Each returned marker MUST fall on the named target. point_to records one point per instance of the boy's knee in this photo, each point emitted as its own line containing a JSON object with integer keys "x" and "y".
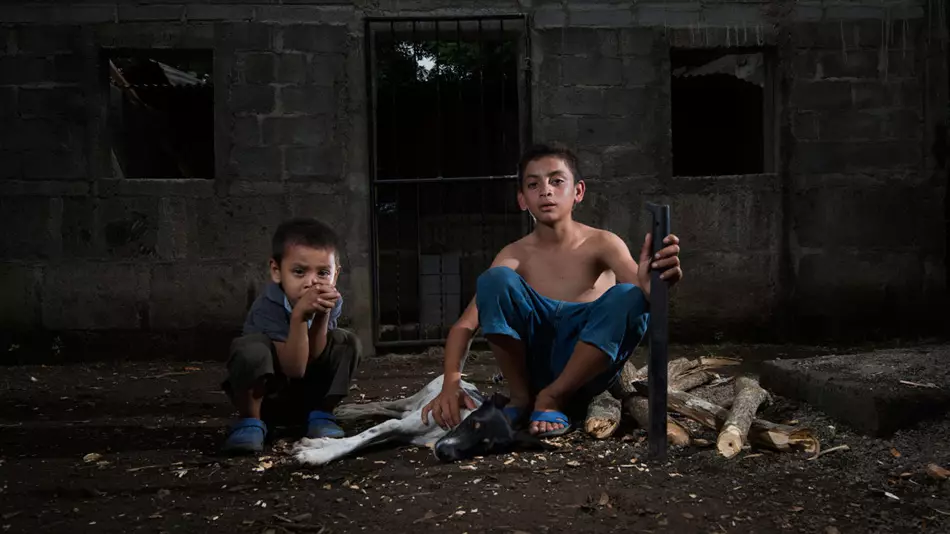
{"x": 496, "y": 280}
{"x": 626, "y": 298}
{"x": 251, "y": 358}
{"x": 346, "y": 346}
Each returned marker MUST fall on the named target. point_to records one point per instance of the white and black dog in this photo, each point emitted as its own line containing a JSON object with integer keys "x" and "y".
{"x": 485, "y": 430}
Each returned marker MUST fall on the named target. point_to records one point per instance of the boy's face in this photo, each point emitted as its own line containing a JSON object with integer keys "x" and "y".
{"x": 302, "y": 267}
{"x": 549, "y": 190}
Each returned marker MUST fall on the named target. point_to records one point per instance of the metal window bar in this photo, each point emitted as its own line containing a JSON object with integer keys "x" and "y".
{"x": 456, "y": 189}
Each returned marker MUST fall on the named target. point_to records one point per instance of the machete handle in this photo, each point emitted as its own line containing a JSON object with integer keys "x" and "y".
{"x": 660, "y": 225}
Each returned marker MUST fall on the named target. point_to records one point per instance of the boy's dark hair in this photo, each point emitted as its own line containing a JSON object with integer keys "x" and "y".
{"x": 303, "y": 231}
{"x": 549, "y": 149}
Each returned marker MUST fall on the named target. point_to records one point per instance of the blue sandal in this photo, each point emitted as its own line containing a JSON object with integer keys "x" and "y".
{"x": 246, "y": 437}
{"x": 323, "y": 425}
{"x": 555, "y": 417}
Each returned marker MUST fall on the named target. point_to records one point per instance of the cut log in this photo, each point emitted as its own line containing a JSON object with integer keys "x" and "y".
{"x": 603, "y": 416}
{"x": 675, "y": 369}
{"x": 735, "y": 429}
{"x": 639, "y": 409}
{"x": 761, "y": 433}
{"x": 691, "y": 380}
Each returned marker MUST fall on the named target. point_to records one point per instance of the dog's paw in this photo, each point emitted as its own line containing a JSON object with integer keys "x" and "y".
{"x": 312, "y": 443}
{"x": 315, "y": 456}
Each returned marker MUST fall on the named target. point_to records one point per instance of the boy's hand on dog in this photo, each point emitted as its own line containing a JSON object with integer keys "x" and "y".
{"x": 318, "y": 299}
{"x": 446, "y": 408}
{"x": 666, "y": 261}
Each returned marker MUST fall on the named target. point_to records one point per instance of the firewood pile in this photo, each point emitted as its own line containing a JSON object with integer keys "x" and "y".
{"x": 728, "y": 406}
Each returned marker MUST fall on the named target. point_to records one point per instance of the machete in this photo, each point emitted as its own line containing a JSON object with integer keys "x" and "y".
{"x": 659, "y": 336}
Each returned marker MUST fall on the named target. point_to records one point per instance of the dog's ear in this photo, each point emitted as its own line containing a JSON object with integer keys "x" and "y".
{"x": 499, "y": 400}
{"x": 526, "y": 440}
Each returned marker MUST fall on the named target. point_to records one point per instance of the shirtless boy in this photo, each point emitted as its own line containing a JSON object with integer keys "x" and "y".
{"x": 562, "y": 308}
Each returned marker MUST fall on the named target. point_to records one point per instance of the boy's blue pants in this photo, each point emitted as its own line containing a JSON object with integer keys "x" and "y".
{"x": 550, "y": 329}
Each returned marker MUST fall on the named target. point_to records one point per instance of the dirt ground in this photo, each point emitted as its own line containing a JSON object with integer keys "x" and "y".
{"x": 129, "y": 447}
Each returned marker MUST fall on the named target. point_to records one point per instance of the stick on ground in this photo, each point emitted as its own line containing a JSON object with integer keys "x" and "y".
{"x": 735, "y": 430}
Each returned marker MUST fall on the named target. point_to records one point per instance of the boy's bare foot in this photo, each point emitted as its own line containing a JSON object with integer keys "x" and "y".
{"x": 545, "y": 402}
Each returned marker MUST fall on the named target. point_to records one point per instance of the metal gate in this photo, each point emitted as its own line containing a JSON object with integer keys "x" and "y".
{"x": 449, "y": 116}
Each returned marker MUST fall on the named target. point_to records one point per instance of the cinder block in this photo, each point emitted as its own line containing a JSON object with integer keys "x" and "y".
{"x": 549, "y": 17}
{"x": 54, "y": 164}
{"x": 857, "y": 64}
{"x": 249, "y": 35}
{"x": 873, "y": 95}
{"x": 843, "y": 157}
{"x": 327, "y": 15}
{"x": 154, "y": 12}
{"x": 258, "y": 163}
{"x": 745, "y": 288}
{"x": 314, "y": 38}
{"x": 323, "y": 161}
{"x": 621, "y": 162}
{"x": 600, "y": 17}
{"x": 740, "y": 217}
{"x": 247, "y": 131}
{"x": 253, "y": 98}
{"x": 627, "y": 102}
{"x": 95, "y": 296}
{"x": 81, "y": 237}
{"x": 851, "y": 125}
{"x": 326, "y": 69}
{"x": 329, "y": 208}
{"x": 10, "y": 164}
{"x": 638, "y": 72}
{"x": 8, "y": 102}
{"x": 805, "y": 125}
{"x": 219, "y": 12}
{"x": 175, "y": 227}
{"x": 292, "y": 67}
{"x": 20, "y": 305}
{"x": 636, "y": 41}
{"x": 308, "y": 99}
{"x": 129, "y": 226}
{"x": 237, "y": 227}
{"x": 868, "y": 217}
{"x": 601, "y": 131}
{"x": 669, "y": 15}
{"x": 49, "y": 101}
{"x": 42, "y": 40}
{"x": 578, "y": 100}
{"x": 31, "y": 230}
{"x": 256, "y": 68}
{"x": 189, "y": 295}
{"x": 309, "y": 131}
{"x": 21, "y": 70}
{"x": 904, "y": 124}
{"x": 734, "y": 14}
{"x": 558, "y": 128}
{"x": 592, "y": 71}
{"x": 820, "y": 95}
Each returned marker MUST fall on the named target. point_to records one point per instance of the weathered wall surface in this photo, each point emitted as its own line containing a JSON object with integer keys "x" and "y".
{"x": 849, "y": 232}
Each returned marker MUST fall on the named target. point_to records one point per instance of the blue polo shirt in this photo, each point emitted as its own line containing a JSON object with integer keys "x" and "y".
{"x": 270, "y": 314}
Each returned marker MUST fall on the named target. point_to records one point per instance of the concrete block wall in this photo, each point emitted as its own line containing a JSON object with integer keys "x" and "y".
{"x": 817, "y": 247}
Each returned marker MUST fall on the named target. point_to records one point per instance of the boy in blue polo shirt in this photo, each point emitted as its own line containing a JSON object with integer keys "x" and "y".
{"x": 291, "y": 363}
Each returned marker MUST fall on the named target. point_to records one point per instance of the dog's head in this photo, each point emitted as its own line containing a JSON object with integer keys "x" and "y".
{"x": 485, "y": 431}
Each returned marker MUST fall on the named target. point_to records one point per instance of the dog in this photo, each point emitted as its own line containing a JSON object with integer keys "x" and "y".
{"x": 483, "y": 431}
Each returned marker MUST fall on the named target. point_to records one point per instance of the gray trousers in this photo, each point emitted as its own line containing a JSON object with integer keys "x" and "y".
{"x": 289, "y": 400}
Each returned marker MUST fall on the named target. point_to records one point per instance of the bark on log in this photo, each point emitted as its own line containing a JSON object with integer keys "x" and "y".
{"x": 761, "y": 433}
{"x": 734, "y": 433}
{"x": 639, "y": 409}
{"x": 603, "y": 416}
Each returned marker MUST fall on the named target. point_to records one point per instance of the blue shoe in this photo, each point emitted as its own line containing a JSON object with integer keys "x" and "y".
{"x": 246, "y": 437}
{"x": 323, "y": 425}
